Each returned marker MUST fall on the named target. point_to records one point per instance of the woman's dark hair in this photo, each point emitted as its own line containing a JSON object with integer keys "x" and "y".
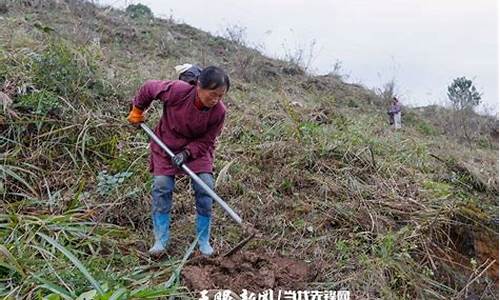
{"x": 212, "y": 78}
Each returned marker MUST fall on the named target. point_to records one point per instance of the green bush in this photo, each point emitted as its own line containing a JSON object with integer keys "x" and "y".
{"x": 139, "y": 11}
{"x": 484, "y": 142}
{"x": 40, "y": 102}
{"x": 64, "y": 70}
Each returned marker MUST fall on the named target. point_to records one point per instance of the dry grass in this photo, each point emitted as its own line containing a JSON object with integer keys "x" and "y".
{"x": 309, "y": 160}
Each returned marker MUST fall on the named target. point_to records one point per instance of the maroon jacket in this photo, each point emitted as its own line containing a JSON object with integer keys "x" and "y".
{"x": 182, "y": 126}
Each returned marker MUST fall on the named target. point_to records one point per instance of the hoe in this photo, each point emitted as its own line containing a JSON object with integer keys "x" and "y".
{"x": 246, "y": 227}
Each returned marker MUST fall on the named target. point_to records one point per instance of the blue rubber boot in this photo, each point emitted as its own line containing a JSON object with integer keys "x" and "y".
{"x": 203, "y": 233}
{"x": 161, "y": 229}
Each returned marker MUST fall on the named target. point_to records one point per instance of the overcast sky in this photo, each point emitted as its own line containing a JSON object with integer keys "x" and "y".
{"x": 421, "y": 44}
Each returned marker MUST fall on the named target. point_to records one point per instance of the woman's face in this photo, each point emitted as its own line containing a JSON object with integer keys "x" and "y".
{"x": 210, "y": 98}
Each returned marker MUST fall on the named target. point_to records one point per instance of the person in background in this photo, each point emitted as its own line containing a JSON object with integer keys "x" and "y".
{"x": 394, "y": 112}
{"x": 188, "y": 73}
{"x": 193, "y": 117}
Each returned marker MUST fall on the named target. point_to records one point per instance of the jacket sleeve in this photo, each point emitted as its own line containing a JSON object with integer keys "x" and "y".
{"x": 200, "y": 146}
{"x": 150, "y": 91}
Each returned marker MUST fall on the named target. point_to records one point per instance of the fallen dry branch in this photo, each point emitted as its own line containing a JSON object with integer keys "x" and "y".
{"x": 477, "y": 183}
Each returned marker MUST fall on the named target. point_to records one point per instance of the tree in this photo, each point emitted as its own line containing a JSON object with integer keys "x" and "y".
{"x": 463, "y": 94}
{"x": 388, "y": 91}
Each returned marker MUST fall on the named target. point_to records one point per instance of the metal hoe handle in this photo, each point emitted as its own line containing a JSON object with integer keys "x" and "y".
{"x": 195, "y": 177}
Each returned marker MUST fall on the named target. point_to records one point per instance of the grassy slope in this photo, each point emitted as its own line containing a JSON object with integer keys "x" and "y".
{"x": 325, "y": 180}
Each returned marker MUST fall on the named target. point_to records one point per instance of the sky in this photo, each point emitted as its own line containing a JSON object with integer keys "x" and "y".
{"x": 420, "y": 44}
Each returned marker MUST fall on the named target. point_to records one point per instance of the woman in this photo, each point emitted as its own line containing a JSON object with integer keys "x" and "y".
{"x": 193, "y": 117}
{"x": 394, "y": 112}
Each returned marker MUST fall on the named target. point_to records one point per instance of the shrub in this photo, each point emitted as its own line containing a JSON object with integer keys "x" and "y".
{"x": 65, "y": 71}
{"x": 40, "y": 102}
{"x": 139, "y": 11}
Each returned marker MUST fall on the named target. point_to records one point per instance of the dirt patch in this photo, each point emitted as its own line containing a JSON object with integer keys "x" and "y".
{"x": 480, "y": 244}
{"x": 246, "y": 270}
{"x": 486, "y": 248}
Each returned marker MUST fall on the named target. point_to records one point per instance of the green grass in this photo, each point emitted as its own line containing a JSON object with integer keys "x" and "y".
{"x": 326, "y": 181}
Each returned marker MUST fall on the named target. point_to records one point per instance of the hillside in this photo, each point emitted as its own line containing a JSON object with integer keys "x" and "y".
{"x": 310, "y": 160}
